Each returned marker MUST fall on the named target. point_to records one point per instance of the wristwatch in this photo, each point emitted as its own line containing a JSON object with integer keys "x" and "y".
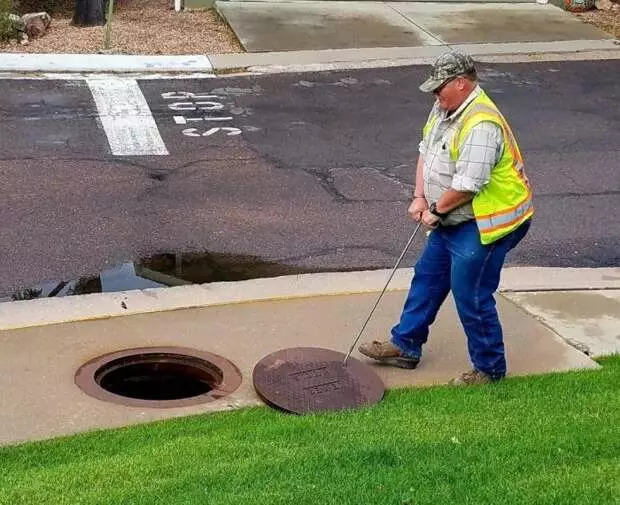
{"x": 433, "y": 210}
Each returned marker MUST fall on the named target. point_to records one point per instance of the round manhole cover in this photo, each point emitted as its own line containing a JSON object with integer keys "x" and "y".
{"x": 309, "y": 379}
{"x": 158, "y": 377}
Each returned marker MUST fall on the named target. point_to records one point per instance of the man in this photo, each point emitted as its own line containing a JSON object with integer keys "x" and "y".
{"x": 472, "y": 192}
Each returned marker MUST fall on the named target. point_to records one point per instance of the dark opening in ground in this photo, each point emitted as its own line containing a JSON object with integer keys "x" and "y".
{"x": 159, "y": 376}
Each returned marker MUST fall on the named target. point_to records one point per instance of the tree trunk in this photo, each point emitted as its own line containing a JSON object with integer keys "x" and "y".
{"x": 89, "y": 13}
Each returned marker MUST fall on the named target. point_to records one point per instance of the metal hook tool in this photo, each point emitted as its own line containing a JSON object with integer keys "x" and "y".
{"x": 359, "y": 335}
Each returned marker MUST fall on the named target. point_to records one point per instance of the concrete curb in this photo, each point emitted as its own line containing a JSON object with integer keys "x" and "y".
{"x": 41, "y": 312}
{"x": 341, "y": 59}
{"x": 297, "y": 61}
{"x": 18, "y": 62}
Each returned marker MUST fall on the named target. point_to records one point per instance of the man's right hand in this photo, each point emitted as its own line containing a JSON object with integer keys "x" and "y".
{"x": 417, "y": 208}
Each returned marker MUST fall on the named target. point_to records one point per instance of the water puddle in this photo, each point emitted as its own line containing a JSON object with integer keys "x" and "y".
{"x": 162, "y": 270}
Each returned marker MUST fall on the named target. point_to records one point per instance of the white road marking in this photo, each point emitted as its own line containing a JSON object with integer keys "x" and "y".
{"x": 231, "y": 131}
{"x": 196, "y": 106}
{"x": 126, "y": 117}
{"x": 184, "y": 120}
{"x": 193, "y": 132}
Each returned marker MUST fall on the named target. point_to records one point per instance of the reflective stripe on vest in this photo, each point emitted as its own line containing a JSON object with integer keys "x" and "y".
{"x": 508, "y": 216}
{"x": 505, "y": 218}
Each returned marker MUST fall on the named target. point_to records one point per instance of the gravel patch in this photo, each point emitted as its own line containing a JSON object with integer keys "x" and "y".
{"x": 608, "y": 21}
{"x": 140, "y": 27}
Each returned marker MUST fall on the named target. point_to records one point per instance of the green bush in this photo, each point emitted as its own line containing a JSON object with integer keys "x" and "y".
{"x": 7, "y": 27}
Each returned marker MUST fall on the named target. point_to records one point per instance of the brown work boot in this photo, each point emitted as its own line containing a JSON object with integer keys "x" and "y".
{"x": 472, "y": 378}
{"x": 388, "y": 354}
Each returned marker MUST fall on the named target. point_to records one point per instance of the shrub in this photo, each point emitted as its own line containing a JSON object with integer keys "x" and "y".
{"x": 8, "y": 29}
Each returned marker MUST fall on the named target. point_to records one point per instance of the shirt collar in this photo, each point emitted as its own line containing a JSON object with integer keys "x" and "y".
{"x": 472, "y": 96}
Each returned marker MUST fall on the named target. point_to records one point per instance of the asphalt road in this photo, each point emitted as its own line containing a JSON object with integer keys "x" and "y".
{"x": 318, "y": 179}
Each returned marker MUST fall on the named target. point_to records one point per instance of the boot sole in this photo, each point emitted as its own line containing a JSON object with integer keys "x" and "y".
{"x": 408, "y": 363}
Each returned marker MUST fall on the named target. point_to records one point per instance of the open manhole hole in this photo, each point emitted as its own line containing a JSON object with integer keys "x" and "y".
{"x": 158, "y": 377}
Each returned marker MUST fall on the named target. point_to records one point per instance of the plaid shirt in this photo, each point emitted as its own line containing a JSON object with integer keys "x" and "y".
{"x": 478, "y": 154}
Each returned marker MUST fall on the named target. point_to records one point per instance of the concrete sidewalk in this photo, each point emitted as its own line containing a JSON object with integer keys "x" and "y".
{"x": 245, "y": 321}
{"x": 294, "y": 26}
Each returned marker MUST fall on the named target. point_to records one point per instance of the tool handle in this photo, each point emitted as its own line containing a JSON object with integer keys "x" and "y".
{"x": 402, "y": 255}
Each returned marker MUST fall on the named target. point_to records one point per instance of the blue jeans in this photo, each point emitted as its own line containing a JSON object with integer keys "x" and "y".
{"x": 455, "y": 259}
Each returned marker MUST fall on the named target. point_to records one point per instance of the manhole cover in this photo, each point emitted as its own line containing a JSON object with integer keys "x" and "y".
{"x": 309, "y": 379}
{"x": 158, "y": 377}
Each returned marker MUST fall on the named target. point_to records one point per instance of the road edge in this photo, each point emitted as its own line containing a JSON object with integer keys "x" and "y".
{"x": 42, "y": 312}
{"x": 40, "y": 65}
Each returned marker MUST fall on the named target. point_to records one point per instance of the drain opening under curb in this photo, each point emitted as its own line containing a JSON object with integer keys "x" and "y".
{"x": 158, "y": 377}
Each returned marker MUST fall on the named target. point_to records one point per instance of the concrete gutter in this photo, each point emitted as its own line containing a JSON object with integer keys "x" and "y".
{"x": 291, "y": 61}
{"x": 41, "y": 312}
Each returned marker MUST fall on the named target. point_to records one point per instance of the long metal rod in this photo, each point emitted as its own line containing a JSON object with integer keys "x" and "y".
{"x": 359, "y": 335}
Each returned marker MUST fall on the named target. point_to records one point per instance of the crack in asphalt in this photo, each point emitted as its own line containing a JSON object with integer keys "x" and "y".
{"x": 328, "y": 183}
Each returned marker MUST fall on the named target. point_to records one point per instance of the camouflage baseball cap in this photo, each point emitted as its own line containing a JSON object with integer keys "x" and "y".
{"x": 446, "y": 67}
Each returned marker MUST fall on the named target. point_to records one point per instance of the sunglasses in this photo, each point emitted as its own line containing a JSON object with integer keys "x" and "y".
{"x": 440, "y": 88}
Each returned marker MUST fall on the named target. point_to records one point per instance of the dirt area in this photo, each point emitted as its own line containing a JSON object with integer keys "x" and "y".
{"x": 608, "y": 21}
{"x": 139, "y": 27}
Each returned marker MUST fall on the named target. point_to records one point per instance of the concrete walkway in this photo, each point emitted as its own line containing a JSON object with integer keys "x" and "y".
{"x": 244, "y": 321}
{"x": 295, "y": 26}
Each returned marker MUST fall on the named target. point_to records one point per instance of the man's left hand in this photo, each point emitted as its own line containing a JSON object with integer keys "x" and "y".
{"x": 430, "y": 220}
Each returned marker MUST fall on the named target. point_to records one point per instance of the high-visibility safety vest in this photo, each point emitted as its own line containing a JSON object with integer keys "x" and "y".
{"x": 505, "y": 202}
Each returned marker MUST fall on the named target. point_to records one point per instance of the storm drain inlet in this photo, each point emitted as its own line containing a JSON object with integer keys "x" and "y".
{"x": 158, "y": 377}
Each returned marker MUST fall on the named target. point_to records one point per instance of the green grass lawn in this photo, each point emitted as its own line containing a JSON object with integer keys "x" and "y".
{"x": 551, "y": 439}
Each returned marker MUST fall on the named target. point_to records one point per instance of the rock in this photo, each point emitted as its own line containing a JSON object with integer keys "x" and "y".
{"x": 36, "y": 24}
{"x": 43, "y": 16}
{"x": 35, "y": 28}
{"x": 604, "y": 5}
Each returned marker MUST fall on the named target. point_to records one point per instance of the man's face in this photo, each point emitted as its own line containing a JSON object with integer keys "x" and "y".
{"x": 450, "y": 94}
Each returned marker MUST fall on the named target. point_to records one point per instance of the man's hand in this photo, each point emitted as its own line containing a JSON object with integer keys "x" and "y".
{"x": 429, "y": 220}
{"x": 417, "y": 208}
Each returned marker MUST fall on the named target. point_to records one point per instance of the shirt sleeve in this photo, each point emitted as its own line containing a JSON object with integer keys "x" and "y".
{"x": 479, "y": 153}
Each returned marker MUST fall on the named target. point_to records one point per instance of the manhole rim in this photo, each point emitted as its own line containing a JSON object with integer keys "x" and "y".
{"x": 85, "y": 377}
